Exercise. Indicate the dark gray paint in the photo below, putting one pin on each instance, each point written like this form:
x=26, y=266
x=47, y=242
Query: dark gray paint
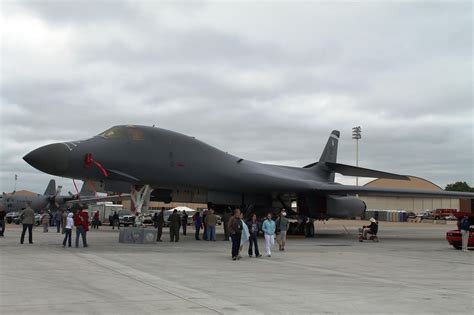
x=193, y=170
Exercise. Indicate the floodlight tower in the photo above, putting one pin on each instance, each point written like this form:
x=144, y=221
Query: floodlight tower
x=356, y=134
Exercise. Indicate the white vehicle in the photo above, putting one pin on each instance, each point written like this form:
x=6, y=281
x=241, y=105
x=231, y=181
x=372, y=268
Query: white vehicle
x=190, y=212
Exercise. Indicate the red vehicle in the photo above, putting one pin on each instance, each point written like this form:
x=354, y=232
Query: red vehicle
x=454, y=236
x=443, y=213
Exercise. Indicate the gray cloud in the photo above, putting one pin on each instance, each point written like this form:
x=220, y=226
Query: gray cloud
x=265, y=81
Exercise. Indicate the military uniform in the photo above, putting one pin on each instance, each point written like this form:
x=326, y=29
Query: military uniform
x=174, y=226
x=159, y=225
x=225, y=222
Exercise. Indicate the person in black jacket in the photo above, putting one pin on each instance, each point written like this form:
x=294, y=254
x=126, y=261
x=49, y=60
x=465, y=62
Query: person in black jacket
x=253, y=237
x=184, y=221
x=372, y=228
x=2, y=221
x=115, y=220
x=235, y=230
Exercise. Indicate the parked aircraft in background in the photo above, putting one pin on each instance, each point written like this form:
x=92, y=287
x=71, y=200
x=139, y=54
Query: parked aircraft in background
x=51, y=199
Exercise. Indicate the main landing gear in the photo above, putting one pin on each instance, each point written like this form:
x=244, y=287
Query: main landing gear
x=140, y=200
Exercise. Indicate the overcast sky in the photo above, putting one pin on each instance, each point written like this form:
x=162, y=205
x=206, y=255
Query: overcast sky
x=267, y=82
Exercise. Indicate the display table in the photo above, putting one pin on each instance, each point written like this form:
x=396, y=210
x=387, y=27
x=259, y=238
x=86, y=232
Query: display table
x=137, y=235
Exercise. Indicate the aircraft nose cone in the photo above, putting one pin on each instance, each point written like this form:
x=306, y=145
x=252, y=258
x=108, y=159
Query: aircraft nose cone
x=52, y=158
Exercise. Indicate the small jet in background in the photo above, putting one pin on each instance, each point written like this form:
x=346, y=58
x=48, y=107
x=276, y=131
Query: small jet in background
x=52, y=199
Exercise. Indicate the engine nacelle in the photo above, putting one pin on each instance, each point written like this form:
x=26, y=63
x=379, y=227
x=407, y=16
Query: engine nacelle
x=332, y=206
x=344, y=207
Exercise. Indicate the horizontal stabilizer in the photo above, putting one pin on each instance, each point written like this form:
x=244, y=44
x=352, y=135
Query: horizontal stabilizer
x=338, y=189
x=349, y=170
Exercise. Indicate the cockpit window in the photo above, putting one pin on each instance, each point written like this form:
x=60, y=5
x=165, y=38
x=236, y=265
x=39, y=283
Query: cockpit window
x=123, y=132
x=135, y=133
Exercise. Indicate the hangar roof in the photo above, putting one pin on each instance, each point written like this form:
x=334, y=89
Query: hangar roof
x=23, y=193
x=413, y=183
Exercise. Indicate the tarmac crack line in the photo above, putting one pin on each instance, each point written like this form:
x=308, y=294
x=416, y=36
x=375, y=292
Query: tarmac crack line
x=84, y=256
x=362, y=276
x=141, y=276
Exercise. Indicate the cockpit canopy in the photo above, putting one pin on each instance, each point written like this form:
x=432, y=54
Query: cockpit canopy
x=123, y=132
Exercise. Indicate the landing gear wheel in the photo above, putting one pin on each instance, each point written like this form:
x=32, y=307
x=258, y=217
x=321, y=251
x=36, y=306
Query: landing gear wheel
x=309, y=229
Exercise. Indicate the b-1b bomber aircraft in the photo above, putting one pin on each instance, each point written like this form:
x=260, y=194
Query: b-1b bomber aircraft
x=169, y=166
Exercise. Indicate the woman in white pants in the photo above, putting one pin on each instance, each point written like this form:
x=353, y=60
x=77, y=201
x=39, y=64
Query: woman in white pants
x=268, y=228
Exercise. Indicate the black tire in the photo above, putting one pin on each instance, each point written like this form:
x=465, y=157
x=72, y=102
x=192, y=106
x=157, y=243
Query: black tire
x=457, y=246
x=309, y=230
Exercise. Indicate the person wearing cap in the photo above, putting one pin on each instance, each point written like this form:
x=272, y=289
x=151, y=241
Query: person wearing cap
x=282, y=224
x=372, y=228
x=464, y=228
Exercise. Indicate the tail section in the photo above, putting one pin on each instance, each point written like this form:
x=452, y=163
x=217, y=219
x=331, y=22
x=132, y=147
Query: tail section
x=87, y=190
x=330, y=150
x=51, y=189
x=329, y=155
x=327, y=165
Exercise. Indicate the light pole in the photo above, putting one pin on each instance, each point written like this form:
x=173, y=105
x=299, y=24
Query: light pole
x=356, y=134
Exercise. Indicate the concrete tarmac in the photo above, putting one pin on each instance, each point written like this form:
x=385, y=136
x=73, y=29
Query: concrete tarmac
x=412, y=270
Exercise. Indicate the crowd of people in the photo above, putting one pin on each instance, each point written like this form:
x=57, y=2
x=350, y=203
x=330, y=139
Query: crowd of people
x=241, y=232
x=64, y=221
x=236, y=229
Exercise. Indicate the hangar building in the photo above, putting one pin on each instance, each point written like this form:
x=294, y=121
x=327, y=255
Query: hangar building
x=414, y=204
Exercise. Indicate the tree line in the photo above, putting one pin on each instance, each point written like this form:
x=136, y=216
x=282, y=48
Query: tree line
x=459, y=186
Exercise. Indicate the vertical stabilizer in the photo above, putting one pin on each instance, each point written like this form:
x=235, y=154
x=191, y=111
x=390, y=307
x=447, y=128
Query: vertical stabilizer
x=51, y=189
x=330, y=150
x=87, y=189
x=329, y=155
